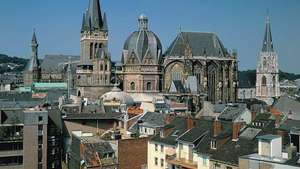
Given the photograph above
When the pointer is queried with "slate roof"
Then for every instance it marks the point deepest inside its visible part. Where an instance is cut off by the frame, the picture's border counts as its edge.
(90, 116)
(58, 63)
(179, 127)
(149, 119)
(289, 124)
(232, 112)
(286, 105)
(231, 151)
(201, 44)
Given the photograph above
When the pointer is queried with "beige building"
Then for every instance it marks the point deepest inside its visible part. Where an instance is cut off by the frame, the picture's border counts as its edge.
(35, 139)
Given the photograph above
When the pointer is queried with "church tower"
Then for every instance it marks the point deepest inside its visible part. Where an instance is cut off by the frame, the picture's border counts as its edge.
(32, 71)
(267, 71)
(94, 69)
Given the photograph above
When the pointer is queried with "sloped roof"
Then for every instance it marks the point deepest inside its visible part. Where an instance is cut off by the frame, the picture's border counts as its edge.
(201, 44)
(286, 105)
(232, 112)
(58, 63)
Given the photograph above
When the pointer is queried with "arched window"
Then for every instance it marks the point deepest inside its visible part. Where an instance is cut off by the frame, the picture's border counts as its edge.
(101, 66)
(149, 86)
(79, 93)
(274, 81)
(106, 67)
(91, 50)
(132, 86)
(264, 81)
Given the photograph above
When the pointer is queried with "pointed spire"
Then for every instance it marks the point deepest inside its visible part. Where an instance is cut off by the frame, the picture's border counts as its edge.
(268, 42)
(105, 25)
(95, 15)
(83, 26)
(34, 40)
(33, 64)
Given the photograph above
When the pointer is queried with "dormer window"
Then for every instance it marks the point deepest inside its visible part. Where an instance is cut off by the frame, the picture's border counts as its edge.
(213, 144)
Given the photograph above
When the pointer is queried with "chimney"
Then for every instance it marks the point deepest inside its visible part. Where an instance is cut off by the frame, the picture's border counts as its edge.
(236, 127)
(190, 123)
(169, 118)
(253, 116)
(217, 127)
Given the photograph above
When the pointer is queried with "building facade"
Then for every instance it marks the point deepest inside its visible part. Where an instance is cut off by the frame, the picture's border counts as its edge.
(267, 71)
(32, 72)
(201, 56)
(94, 69)
(142, 58)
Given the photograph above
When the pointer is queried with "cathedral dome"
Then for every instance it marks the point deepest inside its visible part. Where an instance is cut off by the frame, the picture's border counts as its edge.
(117, 95)
(143, 43)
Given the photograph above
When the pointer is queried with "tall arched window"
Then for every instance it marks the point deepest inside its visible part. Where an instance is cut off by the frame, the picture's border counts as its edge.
(264, 81)
(91, 50)
(132, 86)
(149, 86)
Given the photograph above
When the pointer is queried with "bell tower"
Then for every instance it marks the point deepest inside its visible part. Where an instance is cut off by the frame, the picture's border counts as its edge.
(267, 71)
(94, 69)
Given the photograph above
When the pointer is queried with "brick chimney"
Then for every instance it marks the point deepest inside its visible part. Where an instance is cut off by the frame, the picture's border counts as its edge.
(217, 127)
(236, 127)
(190, 123)
(169, 118)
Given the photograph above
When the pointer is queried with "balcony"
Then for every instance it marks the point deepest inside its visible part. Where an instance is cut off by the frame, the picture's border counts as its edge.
(179, 162)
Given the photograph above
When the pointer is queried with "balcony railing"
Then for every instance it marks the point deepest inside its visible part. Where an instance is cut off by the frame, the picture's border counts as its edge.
(181, 162)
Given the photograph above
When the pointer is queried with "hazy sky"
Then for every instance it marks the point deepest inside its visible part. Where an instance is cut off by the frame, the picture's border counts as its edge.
(240, 25)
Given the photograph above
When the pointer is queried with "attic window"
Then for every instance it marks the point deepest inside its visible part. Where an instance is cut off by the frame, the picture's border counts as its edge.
(213, 144)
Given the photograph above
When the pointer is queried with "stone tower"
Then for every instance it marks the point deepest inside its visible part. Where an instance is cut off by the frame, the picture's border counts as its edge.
(32, 71)
(267, 71)
(94, 69)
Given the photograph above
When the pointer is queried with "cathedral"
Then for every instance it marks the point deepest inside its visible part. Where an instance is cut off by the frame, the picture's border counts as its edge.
(195, 64)
(267, 71)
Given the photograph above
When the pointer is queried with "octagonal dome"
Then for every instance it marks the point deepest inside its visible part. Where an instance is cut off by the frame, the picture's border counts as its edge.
(143, 43)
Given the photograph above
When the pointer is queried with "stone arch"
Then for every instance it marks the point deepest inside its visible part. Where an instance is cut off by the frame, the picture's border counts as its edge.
(173, 71)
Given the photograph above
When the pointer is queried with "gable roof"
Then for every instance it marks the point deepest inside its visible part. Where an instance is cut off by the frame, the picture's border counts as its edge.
(201, 44)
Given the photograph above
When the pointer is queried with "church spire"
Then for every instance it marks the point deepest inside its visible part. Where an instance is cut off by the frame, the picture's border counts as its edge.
(33, 63)
(268, 42)
(95, 15)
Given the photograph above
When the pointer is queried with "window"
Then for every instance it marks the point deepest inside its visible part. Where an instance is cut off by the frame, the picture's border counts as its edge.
(213, 144)
(149, 86)
(162, 162)
(264, 81)
(156, 147)
(162, 148)
(40, 118)
(132, 86)
(217, 166)
(156, 161)
(204, 162)
(145, 130)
